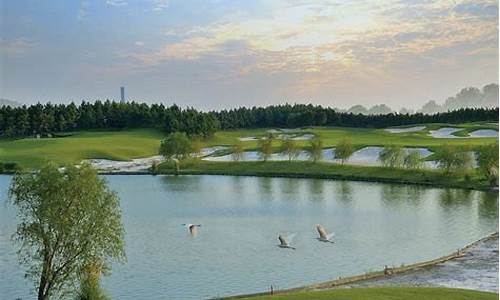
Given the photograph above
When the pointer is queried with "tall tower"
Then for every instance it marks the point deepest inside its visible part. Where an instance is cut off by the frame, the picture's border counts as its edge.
(122, 93)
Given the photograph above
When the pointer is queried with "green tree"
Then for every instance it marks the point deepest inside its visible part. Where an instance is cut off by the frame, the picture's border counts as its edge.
(344, 150)
(413, 160)
(392, 156)
(451, 158)
(90, 286)
(265, 148)
(177, 147)
(290, 148)
(237, 150)
(315, 149)
(68, 220)
(196, 147)
(487, 160)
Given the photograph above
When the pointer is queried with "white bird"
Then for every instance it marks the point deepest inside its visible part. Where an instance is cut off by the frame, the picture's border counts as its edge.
(284, 243)
(193, 228)
(323, 234)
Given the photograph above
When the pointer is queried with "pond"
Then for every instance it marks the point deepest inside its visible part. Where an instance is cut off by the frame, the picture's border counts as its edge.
(236, 249)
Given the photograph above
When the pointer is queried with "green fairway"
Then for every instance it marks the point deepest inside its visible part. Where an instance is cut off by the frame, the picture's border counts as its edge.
(116, 145)
(361, 137)
(128, 144)
(384, 294)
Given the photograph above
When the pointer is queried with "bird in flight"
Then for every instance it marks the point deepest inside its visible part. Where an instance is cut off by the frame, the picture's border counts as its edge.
(193, 228)
(284, 243)
(323, 234)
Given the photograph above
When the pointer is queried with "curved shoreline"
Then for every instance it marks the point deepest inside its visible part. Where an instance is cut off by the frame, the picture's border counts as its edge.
(388, 272)
(422, 177)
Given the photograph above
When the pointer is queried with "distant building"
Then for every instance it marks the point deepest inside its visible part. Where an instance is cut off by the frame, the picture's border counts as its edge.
(122, 93)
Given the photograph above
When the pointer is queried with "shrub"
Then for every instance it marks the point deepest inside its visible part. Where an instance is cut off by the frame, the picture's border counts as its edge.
(392, 156)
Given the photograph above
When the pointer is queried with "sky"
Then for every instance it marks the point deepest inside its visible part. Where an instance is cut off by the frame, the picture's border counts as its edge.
(215, 54)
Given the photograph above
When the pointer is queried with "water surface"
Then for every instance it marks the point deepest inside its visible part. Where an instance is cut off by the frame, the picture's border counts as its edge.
(236, 249)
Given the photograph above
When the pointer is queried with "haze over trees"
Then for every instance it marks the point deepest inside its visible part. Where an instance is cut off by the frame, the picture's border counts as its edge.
(471, 97)
(70, 221)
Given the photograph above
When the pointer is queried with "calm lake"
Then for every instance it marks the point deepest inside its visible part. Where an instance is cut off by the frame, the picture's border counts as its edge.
(236, 248)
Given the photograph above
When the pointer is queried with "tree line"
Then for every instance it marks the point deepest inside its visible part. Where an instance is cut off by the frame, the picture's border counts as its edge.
(50, 119)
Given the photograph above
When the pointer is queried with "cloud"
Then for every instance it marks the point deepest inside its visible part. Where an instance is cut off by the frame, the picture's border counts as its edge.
(139, 43)
(327, 46)
(159, 5)
(82, 10)
(16, 47)
(117, 2)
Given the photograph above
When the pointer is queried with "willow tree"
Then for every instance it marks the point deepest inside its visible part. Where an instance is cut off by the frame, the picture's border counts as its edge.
(392, 156)
(316, 149)
(487, 160)
(266, 148)
(237, 150)
(290, 148)
(68, 220)
(344, 150)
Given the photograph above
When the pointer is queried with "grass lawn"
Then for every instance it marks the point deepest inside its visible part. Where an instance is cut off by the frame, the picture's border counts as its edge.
(116, 145)
(361, 137)
(135, 143)
(384, 294)
(325, 170)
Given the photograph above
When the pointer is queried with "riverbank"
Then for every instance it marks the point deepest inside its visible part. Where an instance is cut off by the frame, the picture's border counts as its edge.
(304, 169)
(473, 267)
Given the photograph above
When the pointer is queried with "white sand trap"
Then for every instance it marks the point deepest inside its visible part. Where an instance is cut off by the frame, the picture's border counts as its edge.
(134, 165)
(211, 150)
(445, 133)
(248, 139)
(303, 137)
(482, 133)
(407, 129)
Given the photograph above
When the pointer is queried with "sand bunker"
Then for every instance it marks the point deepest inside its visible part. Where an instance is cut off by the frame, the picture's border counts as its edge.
(444, 133)
(482, 133)
(408, 129)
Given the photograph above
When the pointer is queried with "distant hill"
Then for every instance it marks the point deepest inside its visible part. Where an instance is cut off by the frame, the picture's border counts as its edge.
(7, 102)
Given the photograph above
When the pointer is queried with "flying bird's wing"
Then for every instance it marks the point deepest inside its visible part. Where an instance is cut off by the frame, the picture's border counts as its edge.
(322, 232)
(282, 240)
(330, 236)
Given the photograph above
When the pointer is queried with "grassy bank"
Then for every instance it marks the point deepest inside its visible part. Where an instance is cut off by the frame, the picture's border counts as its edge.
(384, 294)
(327, 171)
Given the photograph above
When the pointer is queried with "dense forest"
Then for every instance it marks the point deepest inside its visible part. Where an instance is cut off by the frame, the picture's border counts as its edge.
(48, 119)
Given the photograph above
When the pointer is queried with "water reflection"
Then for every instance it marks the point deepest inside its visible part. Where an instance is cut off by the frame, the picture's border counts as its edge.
(488, 205)
(265, 186)
(241, 217)
(344, 191)
(316, 188)
(452, 198)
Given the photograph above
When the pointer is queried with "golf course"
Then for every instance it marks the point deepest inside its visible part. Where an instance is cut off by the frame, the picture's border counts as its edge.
(128, 144)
